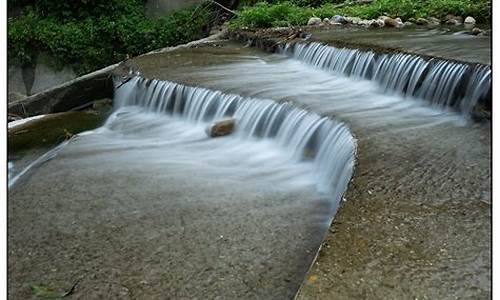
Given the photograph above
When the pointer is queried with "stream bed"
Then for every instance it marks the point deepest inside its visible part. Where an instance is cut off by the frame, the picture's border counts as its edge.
(148, 207)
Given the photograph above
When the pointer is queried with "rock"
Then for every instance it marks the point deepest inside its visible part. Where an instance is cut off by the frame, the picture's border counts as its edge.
(392, 23)
(408, 24)
(102, 104)
(469, 20)
(399, 20)
(422, 21)
(373, 24)
(476, 31)
(412, 20)
(353, 20)
(326, 21)
(314, 21)
(449, 17)
(452, 22)
(221, 128)
(12, 118)
(339, 19)
(433, 21)
(380, 23)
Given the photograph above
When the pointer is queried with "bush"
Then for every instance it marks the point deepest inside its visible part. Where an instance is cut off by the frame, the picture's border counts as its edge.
(88, 42)
(264, 14)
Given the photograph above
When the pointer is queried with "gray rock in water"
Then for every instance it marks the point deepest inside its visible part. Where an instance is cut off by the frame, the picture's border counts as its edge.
(422, 21)
(452, 22)
(221, 128)
(469, 20)
(408, 24)
(314, 21)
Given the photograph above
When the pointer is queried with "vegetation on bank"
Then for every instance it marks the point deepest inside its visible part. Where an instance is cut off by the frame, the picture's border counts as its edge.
(90, 34)
(297, 12)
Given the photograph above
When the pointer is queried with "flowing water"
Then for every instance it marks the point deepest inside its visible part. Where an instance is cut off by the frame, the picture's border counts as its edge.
(443, 83)
(252, 208)
(148, 206)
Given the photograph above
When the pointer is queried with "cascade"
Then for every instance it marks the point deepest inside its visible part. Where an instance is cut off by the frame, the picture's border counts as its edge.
(308, 136)
(443, 83)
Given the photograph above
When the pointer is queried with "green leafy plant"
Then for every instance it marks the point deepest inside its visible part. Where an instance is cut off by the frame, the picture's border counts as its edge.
(278, 13)
(98, 34)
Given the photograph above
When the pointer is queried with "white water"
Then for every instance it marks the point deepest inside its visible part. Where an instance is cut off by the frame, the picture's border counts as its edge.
(442, 83)
(324, 145)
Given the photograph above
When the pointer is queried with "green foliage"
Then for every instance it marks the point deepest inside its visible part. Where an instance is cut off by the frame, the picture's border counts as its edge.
(267, 15)
(297, 12)
(98, 35)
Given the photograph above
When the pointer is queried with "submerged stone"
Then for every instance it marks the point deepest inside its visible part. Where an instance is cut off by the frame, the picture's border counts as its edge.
(221, 128)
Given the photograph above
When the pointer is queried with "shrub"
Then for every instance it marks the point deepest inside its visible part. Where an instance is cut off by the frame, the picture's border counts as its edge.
(264, 14)
(88, 42)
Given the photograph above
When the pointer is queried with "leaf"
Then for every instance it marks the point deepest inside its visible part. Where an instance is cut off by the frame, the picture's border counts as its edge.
(46, 292)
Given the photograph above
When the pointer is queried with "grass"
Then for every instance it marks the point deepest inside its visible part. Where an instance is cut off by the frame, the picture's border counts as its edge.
(264, 14)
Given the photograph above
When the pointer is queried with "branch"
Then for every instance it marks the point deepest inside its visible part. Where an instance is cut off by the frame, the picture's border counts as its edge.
(223, 7)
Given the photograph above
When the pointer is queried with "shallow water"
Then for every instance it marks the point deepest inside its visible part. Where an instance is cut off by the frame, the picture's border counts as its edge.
(251, 212)
(150, 203)
(446, 42)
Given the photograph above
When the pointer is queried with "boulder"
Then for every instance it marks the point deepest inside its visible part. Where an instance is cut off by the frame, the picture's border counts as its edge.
(392, 23)
(380, 23)
(353, 20)
(339, 19)
(476, 31)
(453, 20)
(412, 20)
(314, 21)
(422, 21)
(408, 24)
(399, 20)
(433, 21)
(326, 21)
(221, 128)
(469, 20)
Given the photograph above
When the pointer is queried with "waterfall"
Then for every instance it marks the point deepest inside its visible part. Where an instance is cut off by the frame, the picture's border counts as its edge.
(443, 83)
(327, 144)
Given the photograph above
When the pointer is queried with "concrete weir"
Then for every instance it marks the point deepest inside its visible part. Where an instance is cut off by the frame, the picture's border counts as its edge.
(149, 207)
